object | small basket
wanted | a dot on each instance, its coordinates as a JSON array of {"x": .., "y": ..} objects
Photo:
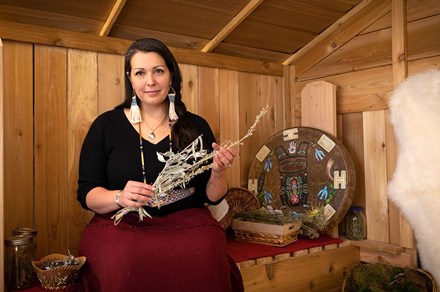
[
  {"x": 271, "y": 234},
  {"x": 59, "y": 277},
  {"x": 239, "y": 200}
]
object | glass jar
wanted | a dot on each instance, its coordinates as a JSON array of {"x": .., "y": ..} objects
[
  {"x": 355, "y": 224},
  {"x": 18, "y": 262},
  {"x": 27, "y": 231}
]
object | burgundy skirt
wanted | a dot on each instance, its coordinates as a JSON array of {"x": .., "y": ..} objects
[{"x": 184, "y": 251}]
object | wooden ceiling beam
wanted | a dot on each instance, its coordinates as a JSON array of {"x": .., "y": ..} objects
[
  {"x": 119, "y": 4},
  {"x": 342, "y": 31},
  {"x": 15, "y": 31},
  {"x": 251, "y": 6}
]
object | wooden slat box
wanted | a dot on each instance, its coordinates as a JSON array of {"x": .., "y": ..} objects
[{"x": 305, "y": 265}]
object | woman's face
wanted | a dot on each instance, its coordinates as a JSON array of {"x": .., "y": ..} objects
[{"x": 150, "y": 77}]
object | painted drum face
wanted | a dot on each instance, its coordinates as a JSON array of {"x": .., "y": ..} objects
[{"x": 302, "y": 167}]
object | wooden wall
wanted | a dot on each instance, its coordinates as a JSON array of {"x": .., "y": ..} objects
[
  {"x": 404, "y": 41},
  {"x": 52, "y": 94}
]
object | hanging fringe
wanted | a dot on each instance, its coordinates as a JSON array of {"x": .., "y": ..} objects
[
  {"x": 135, "y": 112},
  {"x": 172, "y": 110}
]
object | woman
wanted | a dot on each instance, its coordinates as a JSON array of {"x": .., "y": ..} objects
[{"x": 181, "y": 248}]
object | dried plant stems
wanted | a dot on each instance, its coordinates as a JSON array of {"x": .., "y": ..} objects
[{"x": 182, "y": 166}]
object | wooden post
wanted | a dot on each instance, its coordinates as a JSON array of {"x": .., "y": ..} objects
[
  {"x": 318, "y": 106},
  {"x": 2, "y": 260},
  {"x": 399, "y": 41},
  {"x": 318, "y": 110},
  {"x": 290, "y": 115},
  {"x": 400, "y": 72}
]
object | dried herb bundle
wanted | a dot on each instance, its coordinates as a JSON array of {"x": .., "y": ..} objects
[
  {"x": 382, "y": 277},
  {"x": 268, "y": 216},
  {"x": 314, "y": 220},
  {"x": 182, "y": 166},
  {"x": 50, "y": 265}
]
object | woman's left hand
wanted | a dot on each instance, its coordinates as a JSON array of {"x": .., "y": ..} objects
[{"x": 224, "y": 157}]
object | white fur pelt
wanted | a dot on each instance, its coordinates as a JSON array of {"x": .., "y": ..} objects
[{"x": 415, "y": 185}]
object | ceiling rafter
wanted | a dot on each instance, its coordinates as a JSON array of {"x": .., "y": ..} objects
[
  {"x": 119, "y": 4},
  {"x": 348, "y": 30},
  {"x": 251, "y": 6},
  {"x": 278, "y": 30}
]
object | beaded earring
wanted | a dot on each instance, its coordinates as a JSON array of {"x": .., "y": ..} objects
[
  {"x": 172, "y": 110},
  {"x": 135, "y": 111}
]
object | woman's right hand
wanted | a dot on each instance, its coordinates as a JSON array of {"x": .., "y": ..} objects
[{"x": 136, "y": 194}]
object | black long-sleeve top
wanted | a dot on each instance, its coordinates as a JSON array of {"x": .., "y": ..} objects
[{"x": 110, "y": 157}]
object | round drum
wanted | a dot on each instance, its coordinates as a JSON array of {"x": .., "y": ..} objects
[{"x": 302, "y": 168}]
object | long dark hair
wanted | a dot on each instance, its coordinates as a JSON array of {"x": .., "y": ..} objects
[{"x": 183, "y": 132}]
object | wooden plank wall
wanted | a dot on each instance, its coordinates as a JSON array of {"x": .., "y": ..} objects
[
  {"x": 364, "y": 71},
  {"x": 52, "y": 94}
]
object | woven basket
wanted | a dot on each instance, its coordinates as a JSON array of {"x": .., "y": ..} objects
[
  {"x": 271, "y": 234},
  {"x": 239, "y": 200},
  {"x": 59, "y": 277},
  {"x": 428, "y": 275}
]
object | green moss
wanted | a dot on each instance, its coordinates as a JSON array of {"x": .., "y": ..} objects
[{"x": 381, "y": 277}]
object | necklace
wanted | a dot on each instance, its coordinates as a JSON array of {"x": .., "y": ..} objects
[
  {"x": 152, "y": 136},
  {"x": 141, "y": 146}
]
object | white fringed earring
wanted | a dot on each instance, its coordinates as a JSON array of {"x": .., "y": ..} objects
[
  {"x": 135, "y": 111},
  {"x": 172, "y": 109}
]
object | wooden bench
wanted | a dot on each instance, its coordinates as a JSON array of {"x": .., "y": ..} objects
[{"x": 305, "y": 265}]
